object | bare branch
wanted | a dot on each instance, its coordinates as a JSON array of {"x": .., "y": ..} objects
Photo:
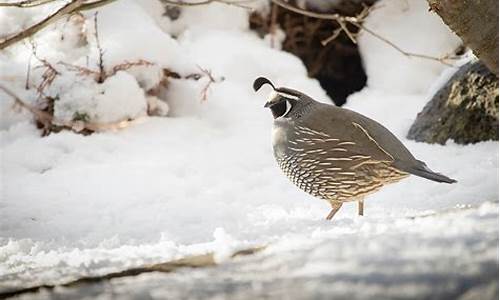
[
  {"x": 307, "y": 13},
  {"x": 71, "y": 6},
  {"x": 129, "y": 64},
  {"x": 26, "y": 3},
  {"x": 93, "y": 5},
  {"x": 347, "y": 32},
  {"x": 28, "y": 73},
  {"x": 334, "y": 35},
  {"x": 405, "y": 53},
  {"x": 49, "y": 120},
  {"x": 41, "y": 116},
  {"x": 80, "y": 70},
  {"x": 358, "y": 22},
  {"x": 237, "y": 3},
  {"x": 211, "y": 79},
  {"x": 183, "y": 3},
  {"x": 48, "y": 75},
  {"x": 33, "y": 3}
]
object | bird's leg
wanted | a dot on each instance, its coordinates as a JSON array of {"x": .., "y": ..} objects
[
  {"x": 335, "y": 208},
  {"x": 361, "y": 206}
]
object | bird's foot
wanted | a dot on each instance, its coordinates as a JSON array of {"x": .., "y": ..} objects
[
  {"x": 361, "y": 207},
  {"x": 335, "y": 208}
]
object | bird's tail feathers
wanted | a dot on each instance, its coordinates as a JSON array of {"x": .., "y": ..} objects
[{"x": 423, "y": 171}]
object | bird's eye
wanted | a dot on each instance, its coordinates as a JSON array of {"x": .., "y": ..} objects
[{"x": 281, "y": 107}]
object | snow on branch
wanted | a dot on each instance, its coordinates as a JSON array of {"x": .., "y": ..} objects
[{"x": 48, "y": 120}]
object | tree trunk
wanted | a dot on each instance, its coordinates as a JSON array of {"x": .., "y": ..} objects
[{"x": 476, "y": 23}]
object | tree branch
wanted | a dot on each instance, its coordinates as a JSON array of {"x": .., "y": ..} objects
[
  {"x": 358, "y": 22},
  {"x": 26, "y": 3},
  {"x": 68, "y": 8},
  {"x": 442, "y": 59},
  {"x": 93, "y": 5},
  {"x": 237, "y": 3},
  {"x": 71, "y": 7}
]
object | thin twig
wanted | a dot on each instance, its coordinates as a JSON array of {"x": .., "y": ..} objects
[
  {"x": 49, "y": 120},
  {"x": 332, "y": 37},
  {"x": 129, "y": 64},
  {"x": 93, "y": 5},
  {"x": 79, "y": 69},
  {"x": 102, "y": 72},
  {"x": 196, "y": 76},
  {"x": 41, "y": 116},
  {"x": 307, "y": 13},
  {"x": 48, "y": 75},
  {"x": 26, "y": 3},
  {"x": 71, "y": 6},
  {"x": 28, "y": 73},
  {"x": 182, "y": 3},
  {"x": 211, "y": 79},
  {"x": 347, "y": 32},
  {"x": 237, "y": 3},
  {"x": 356, "y": 21},
  {"x": 405, "y": 53}
]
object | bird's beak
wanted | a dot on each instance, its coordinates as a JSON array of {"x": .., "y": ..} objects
[{"x": 269, "y": 103}]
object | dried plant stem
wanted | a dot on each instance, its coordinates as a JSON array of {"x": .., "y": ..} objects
[
  {"x": 211, "y": 79},
  {"x": 102, "y": 72},
  {"x": 48, "y": 120}
]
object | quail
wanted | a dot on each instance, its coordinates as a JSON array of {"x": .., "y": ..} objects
[{"x": 334, "y": 153}]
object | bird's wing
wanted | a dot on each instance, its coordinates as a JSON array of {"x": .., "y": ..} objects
[
  {"x": 366, "y": 141},
  {"x": 359, "y": 135}
]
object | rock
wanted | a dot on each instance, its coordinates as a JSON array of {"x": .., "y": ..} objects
[{"x": 465, "y": 109}]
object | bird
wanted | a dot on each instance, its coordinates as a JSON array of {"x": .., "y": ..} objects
[{"x": 334, "y": 153}]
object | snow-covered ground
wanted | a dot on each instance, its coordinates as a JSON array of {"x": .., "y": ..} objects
[{"x": 203, "y": 178}]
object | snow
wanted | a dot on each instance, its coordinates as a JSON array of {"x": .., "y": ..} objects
[
  {"x": 321, "y": 266},
  {"x": 415, "y": 30},
  {"x": 204, "y": 179}
]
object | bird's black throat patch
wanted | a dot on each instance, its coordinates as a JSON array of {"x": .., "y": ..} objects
[{"x": 278, "y": 109}]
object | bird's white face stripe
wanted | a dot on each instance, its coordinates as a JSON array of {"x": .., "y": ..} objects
[
  {"x": 288, "y": 108},
  {"x": 274, "y": 94},
  {"x": 288, "y": 96}
]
